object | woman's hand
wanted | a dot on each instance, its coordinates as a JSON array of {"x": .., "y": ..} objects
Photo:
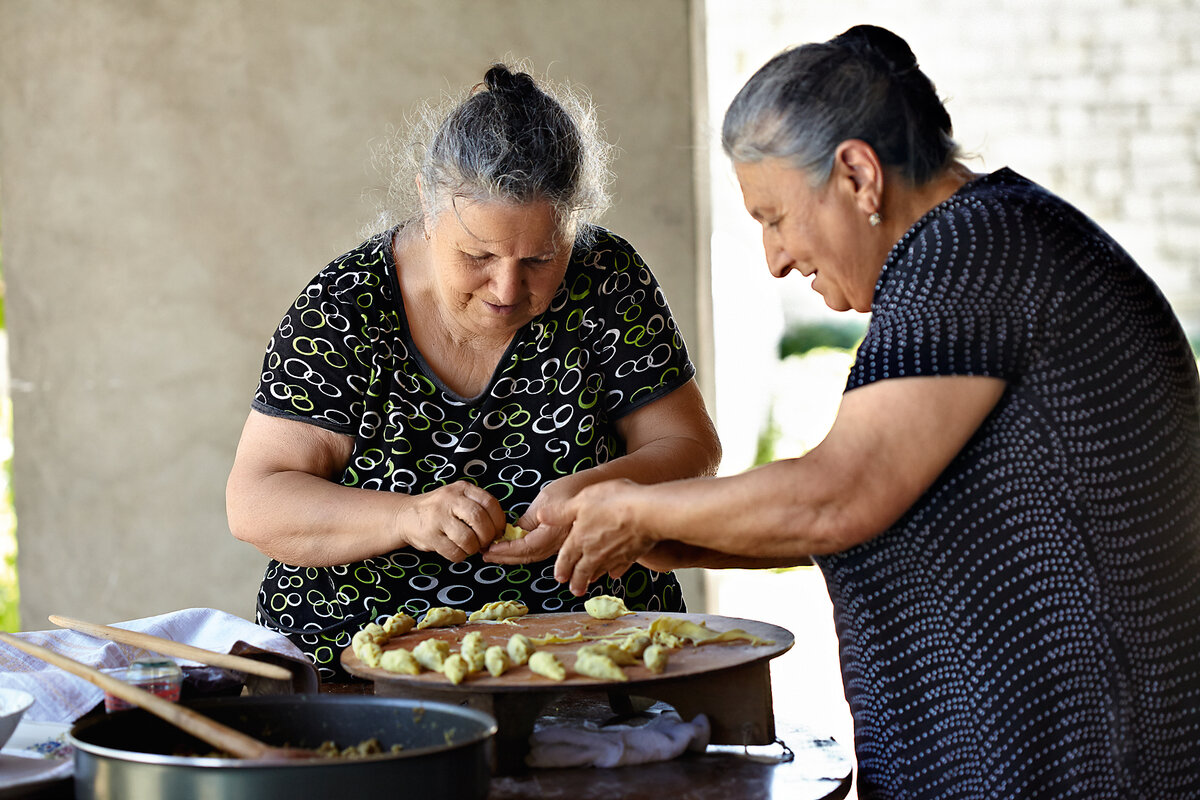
[
  {"x": 543, "y": 538},
  {"x": 605, "y": 536},
  {"x": 454, "y": 521}
]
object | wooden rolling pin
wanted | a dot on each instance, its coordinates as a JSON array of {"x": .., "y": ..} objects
[
  {"x": 170, "y": 647},
  {"x": 214, "y": 733}
]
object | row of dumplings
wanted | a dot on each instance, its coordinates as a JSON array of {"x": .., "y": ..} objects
[{"x": 603, "y": 660}]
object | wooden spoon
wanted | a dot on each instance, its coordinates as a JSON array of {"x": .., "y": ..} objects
[
  {"x": 214, "y": 733},
  {"x": 170, "y": 647}
]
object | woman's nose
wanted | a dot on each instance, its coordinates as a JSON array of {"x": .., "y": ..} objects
[
  {"x": 506, "y": 282},
  {"x": 778, "y": 260}
]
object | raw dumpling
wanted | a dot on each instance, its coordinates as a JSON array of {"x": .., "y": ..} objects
[
  {"x": 546, "y": 665},
  {"x": 501, "y": 609},
  {"x": 519, "y": 648},
  {"x": 369, "y": 653},
  {"x": 373, "y": 631},
  {"x": 496, "y": 660},
  {"x": 473, "y": 650},
  {"x": 673, "y": 632},
  {"x": 455, "y": 668},
  {"x": 612, "y": 651},
  {"x": 398, "y": 624},
  {"x": 431, "y": 654},
  {"x": 595, "y": 663},
  {"x": 442, "y": 617},
  {"x": 636, "y": 643},
  {"x": 400, "y": 661},
  {"x": 605, "y": 606},
  {"x": 655, "y": 658}
]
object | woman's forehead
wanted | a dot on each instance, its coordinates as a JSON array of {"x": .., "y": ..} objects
[{"x": 497, "y": 222}]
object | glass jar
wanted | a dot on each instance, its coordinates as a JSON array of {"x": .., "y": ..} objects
[{"x": 162, "y": 678}]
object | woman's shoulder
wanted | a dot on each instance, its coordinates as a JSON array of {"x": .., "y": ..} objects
[
  {"x": 367, "y": 267},
  {"x": 601, "y": 248}
]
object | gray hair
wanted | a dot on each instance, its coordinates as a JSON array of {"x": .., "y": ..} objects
[
  {"x": 510, "y": 138},
  {"x": 864, "y": 84}
]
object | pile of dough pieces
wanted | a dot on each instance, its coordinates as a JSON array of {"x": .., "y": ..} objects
[{"x": 604, "y": 659}]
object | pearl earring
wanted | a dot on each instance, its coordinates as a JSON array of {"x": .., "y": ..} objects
[{"x": 875, "y": 219}]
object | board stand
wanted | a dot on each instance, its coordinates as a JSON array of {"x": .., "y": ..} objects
[{"x": 737, "y": 701}]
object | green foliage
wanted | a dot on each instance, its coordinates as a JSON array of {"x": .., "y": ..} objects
[
  {"x": 9, "y": 615},
  {"x": 10, "y": 619},
  {"x": 801, "y": 337},
  {"x": 768, "y": 438}
]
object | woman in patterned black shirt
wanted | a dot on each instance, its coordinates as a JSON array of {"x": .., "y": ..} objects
[
  {"x": 476, "y": 363},
  {"x": 1007, "y": 508}
]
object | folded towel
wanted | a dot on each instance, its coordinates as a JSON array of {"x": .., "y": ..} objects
[
  {"x": 663, "y": 738},
  {"x": 62, "y": 697}
]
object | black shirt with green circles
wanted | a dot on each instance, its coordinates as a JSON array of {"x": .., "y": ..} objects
[{"x": 343, "y": 359}]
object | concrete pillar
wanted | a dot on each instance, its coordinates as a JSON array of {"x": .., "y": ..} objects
[{"x": 171, "y": 173}]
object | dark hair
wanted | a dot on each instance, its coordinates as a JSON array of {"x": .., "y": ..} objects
[
  {"x": 864, "y": 84},
  {"x": 511, "y": 138}
]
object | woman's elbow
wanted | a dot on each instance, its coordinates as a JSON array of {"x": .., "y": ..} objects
[
  {"x": 239, "y": 508},
  {"x": 711, "y": 453}
]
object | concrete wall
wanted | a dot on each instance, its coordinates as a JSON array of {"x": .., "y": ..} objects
[{"x": 172, "y": 173}]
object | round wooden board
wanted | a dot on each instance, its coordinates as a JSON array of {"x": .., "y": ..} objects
[{"x": 684, "y": 662}]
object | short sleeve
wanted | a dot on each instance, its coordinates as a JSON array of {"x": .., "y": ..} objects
[
  {"x": 318, "y": 361},
  {"x": 963, "y": 294},
  {"x": 638, "y": 343}
]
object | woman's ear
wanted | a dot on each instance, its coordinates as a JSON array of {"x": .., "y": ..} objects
[
  {"x": 426, "y": 212},
  {"x": 857, "y": 169}
]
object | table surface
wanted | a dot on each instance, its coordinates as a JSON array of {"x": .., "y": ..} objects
[{"x": 820, "y": 769}]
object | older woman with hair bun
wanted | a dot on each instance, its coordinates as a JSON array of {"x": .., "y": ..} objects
[
  {"x": 471, "y": 366},
  {"x": 1006, "y": 510}
]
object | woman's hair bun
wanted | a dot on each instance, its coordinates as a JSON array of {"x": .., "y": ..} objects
[
  {"x": 884, "y": 45},
  {"x": 501, "y": 80}
]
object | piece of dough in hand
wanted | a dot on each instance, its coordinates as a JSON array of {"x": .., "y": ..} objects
[
  {"x": 512, "y": 533},
  {"x": 605, "y": 606}
]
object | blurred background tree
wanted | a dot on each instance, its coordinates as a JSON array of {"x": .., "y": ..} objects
[{"x": 9, "y": 619}]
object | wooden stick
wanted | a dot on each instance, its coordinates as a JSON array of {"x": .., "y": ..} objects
[
  {"x": 170, "y": 647},
  {"x": 214, "y": 733}
]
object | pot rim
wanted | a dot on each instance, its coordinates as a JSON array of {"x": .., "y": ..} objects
[{"x": 487, "y": 730}]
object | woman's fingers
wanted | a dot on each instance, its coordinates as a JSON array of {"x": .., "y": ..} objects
[
  {"x": 568, "y": 557},
  {"x": 539, "y": 544}
]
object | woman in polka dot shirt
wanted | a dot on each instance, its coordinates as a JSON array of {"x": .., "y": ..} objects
[{"x": 1007, "y": 508}]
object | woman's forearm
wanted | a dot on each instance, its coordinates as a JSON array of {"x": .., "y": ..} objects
[
  {"x": 667, "y": 556},
  {"x": 780, "y": 513},
  {"x": 308, "y": 521}
]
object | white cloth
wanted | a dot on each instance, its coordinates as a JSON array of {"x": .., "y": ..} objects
[
  {"x": 62, "y": 697},
  {"x": 665, "y": 737}
]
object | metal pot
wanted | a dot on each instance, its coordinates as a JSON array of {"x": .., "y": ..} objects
[{"x": 134, "y": 754}]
